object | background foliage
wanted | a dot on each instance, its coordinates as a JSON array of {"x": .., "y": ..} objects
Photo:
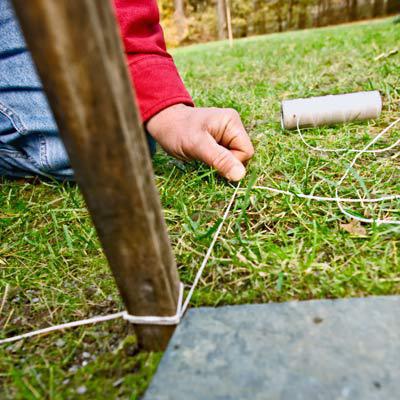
[{"x": 192, "y": 21}]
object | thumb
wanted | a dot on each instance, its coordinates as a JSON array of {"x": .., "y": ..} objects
[{"x": 221, "y": 159}]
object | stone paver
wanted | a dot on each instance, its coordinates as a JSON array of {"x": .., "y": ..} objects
[{"x": 328, "y": 349}]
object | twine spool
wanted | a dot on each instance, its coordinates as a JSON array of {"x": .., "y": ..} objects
[{"x": 329, "y": 110}]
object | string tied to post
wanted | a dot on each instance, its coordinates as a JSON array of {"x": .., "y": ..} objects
[
  {"x": 175, "y": 319},
  {"x": 154, "y": 320}
]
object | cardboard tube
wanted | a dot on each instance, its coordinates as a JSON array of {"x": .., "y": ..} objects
[{"x": 332, "y": 109}]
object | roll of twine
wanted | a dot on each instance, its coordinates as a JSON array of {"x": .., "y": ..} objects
[{"x": 329, "y": 110}]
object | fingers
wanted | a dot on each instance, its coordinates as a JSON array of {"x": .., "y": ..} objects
[
  {"x": 220, "y": 158},
  {"x": 214, "y": 136},
  {"x": 235, "y": 137},
  {"x": 225, "y": 145}
]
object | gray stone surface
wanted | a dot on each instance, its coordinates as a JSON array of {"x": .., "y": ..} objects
[{"x": 341, "y": 349}]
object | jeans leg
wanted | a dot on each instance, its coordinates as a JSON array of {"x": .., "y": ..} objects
[
  {"x": 152, "y": 145},
  {"x": 29, "y": 140}
]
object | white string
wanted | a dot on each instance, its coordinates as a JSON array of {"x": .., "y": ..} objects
[
  {"x": 153, "y": 320},
  {"x": 135, "y": 319},
  {"x": 63, "y": 326},
  {"x": 339, "y": 200},
  {"x": 362, "y": 219},
  {"x": 341, "y": 150},
  {"x": 210, "y": 248},
  {"x": 322, "y": 198}
]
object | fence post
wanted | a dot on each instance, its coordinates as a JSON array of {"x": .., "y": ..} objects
[{"x": 78, "y": 53}]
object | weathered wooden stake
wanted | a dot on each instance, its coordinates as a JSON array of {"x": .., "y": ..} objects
[{"x": 79, "y": 56}]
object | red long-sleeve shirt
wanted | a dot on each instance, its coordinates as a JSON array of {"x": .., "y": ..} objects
[{"x": 156, "y": 80}]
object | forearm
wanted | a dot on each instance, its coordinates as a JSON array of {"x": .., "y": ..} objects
[{"x": 154, "y": 75}]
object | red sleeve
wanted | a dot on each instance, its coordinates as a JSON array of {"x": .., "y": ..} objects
[{"x": 155, "y": 77}]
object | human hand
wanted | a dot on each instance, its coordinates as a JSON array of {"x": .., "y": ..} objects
[{"x": 215, "y": 136}]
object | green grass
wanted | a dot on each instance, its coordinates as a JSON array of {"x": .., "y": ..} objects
[{"x": 273, "y": 248}]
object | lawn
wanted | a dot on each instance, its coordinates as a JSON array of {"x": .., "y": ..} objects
[{"x": 272, "y": 248}]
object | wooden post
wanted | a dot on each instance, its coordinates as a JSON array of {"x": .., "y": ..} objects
[
  {"x": 221, "y": 19},
  {"x": 78, "y": 53}
]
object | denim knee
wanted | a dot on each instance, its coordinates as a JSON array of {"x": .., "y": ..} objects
[{"x": 25, "y": 152}]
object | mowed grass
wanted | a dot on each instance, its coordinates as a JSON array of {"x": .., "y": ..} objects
[{"x": 272, "y": 248}]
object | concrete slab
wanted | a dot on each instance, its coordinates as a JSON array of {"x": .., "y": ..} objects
[{"x": 341, "y": 349}]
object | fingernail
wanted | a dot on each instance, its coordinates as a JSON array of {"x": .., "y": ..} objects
[{"x": 236, "y": 173}]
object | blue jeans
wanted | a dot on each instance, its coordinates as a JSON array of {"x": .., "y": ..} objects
[{"x": 29, "y": 141}]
